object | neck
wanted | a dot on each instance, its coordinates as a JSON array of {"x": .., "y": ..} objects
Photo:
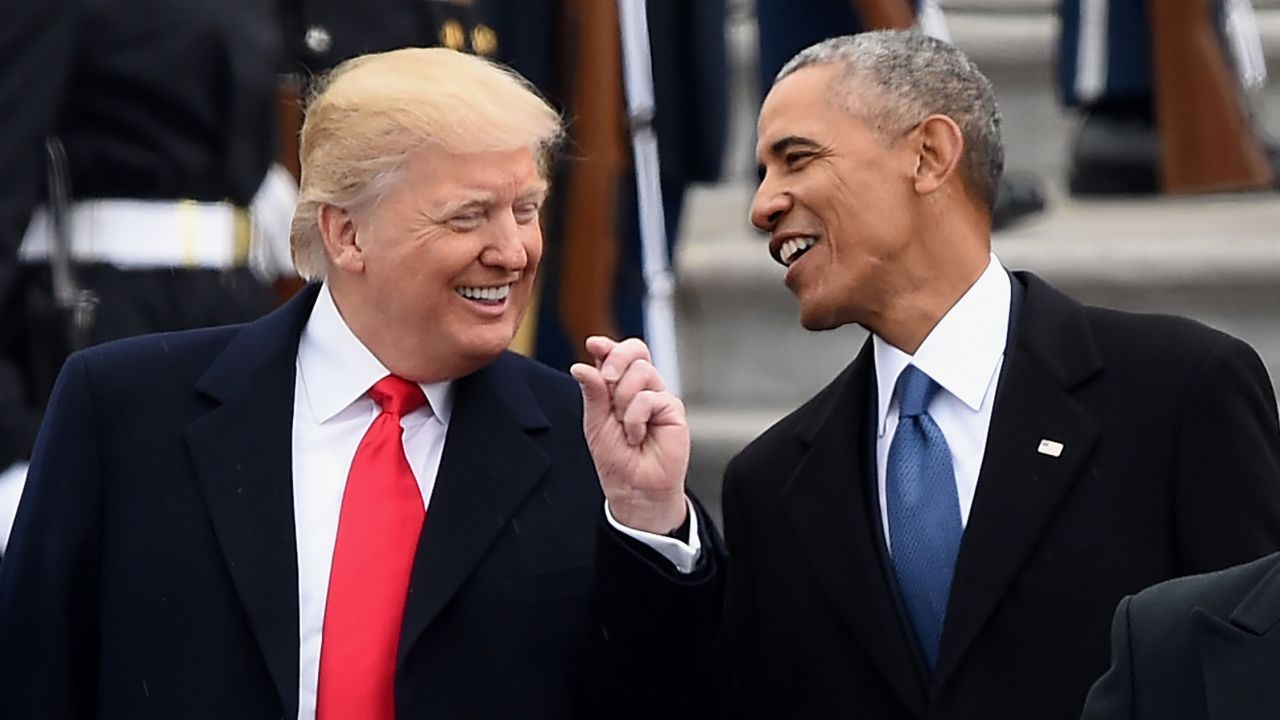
[
  {"x": 406, "y": 355},
  {"x": 942, "y": 271}
]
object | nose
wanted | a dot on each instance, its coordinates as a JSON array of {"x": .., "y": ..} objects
[
  {"x": 506, "y": 248},
  {"x": 769, "y": 205}
]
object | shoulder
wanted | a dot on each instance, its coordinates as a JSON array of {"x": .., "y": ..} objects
[
  {"x": 1168, "y": 345},
  {"x": 539, "y": 377},
  {"x": 152, "y": 358},
  {"x": 1169, "y": 604},
  {"x": 556, "y": 393},
  {"x": 1159, "y": 335}
]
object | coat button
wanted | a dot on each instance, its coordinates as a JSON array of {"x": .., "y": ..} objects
[{"x": 318, "y": 40}]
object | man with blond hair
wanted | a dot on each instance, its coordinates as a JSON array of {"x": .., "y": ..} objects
[{"x": 360, "y": 506}]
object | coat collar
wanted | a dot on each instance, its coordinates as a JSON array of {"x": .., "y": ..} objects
[
  {"x": 241, "y": 453},
  {"x": 1052, "y": 353},
  {"x": 1239, "y": 655},
  {"x": 492, "y": 460}
]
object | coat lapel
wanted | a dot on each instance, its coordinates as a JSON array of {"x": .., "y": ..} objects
[
  {"x": 1019, "y": 487},
  {"x": 1239, "y": 656},
  {"x": 241, "y": 452},
  {"x": 491, "y": 462},
  {"x": 833, "y": 518}
]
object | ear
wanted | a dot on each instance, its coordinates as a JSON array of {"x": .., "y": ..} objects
[
  {"x": 340, "y": 233},
  {"x": 938, "y": 144}
]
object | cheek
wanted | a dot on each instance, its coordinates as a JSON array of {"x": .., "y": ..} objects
[{"x": 533, "y": 249}]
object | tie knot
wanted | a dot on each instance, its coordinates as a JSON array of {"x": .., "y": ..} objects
[
  {"x": 915, "y": 390},
  {"x": 397, "y": 396}
]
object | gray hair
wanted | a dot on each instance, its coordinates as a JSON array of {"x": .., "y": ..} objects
[{"x": 912, "y": 76}]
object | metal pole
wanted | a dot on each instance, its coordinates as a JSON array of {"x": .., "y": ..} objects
[{"x": 659, "y": 303}]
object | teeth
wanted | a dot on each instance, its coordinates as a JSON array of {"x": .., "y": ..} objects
[
  {"x": 793, "y": 247},
  {"x": 486, "y": 294}
]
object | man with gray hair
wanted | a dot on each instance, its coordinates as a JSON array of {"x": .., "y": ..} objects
[
  {"x": 361, "y": 506},
  {"x": 944, "y": 530}
]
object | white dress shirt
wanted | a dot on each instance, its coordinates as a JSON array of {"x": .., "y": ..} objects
[
  {"x": 331, "y": 414},
  {"x": 12, "y": 480},
  {"x": 963, "y": 354}
]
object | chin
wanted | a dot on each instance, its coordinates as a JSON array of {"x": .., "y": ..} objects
[
  {"x": 486, "y": 347},
  {"x": 819, "y": 319}
]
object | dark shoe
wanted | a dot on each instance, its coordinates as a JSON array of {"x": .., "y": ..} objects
[
  {"x": 1018, "y": 196},
  {"x": 1115, "y": 154}
]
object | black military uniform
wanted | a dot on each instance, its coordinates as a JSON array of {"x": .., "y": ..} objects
[
  {"x": 320, "y": 34},
  {"x": 165, "y": 111}
]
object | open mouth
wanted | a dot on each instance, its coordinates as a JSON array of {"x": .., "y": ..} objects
[
  {"x": 792, "y": 249},
  {"x": 495, "y": 295}
]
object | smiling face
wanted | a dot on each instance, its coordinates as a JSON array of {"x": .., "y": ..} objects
[
  {"x": 440, "y": 272},
  {"x": 837, "y": 199}
]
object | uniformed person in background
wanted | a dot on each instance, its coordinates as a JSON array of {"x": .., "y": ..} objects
[
  {"x": 591, "y": 279},
  {"x": 164, "y": 111},
  {"x": 594, "y": 284},
  {"x": 1160, "y": 89}
]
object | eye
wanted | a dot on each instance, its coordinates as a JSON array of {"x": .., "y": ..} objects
[
  {"x": 466, "y": 221},
  {"x": 527, "y": 212},
  {"x": 797, "y": 158}
]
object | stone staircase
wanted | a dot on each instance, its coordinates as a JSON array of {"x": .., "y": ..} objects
[{"x": 747, "y": 362}]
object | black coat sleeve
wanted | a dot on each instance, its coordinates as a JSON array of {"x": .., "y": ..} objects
[
  {"x": 50, "y": 577},
  {"x": 651, "y": 648},
  {"x": 737, "y": 671},
  {"x": 1227, "y": 486},
  {"x": 1112, "y": 696}
]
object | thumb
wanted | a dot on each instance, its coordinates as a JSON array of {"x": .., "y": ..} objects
[{"x": 596, "y": 403}]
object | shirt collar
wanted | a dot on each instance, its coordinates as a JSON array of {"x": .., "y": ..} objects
[
  {"x": 337, "y": 369},
  {"x": 962, "y": 351}
]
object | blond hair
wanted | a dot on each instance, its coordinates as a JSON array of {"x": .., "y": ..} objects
[{"x": 372, "y": 112}]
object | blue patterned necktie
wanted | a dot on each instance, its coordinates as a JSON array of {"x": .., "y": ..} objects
[{"x": 924, "y": 510}]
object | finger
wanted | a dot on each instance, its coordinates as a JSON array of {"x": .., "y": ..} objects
[
  {"x": 596, "y": 403},
  {"x": 621, "y": 357},
  {"x": 640, "y": 375},
  {"x": 599, "y": 346},
  {"x": 635, "y": 420},
  {"x": 651, "y": 409}
]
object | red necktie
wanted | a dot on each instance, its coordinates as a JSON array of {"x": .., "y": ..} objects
[{"x": 378, "y": 530}]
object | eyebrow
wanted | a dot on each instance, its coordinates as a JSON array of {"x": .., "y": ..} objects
[
  {"x": 477, "y": 201},
  {"x": 781, "y": 146},
  {"x": 790, "y": 141},
  {"x": 538, "y": 192},
  {"x": 484, "y": 200}
]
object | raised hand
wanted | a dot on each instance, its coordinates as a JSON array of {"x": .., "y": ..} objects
[{"x": 637, "y": 433}]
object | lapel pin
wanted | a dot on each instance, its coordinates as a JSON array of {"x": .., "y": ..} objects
[{"x": 1052, "y": 448}]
